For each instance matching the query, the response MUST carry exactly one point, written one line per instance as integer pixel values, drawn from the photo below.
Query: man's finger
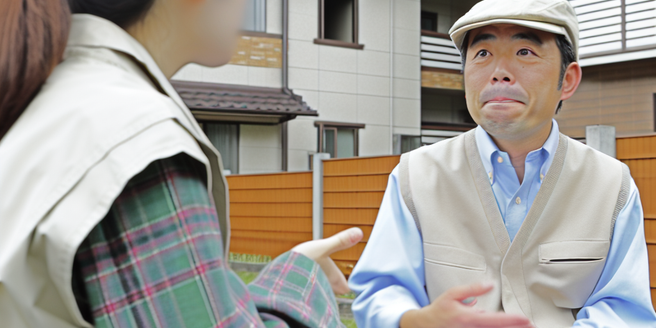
(461, 293)
(497, 320)
(343, 240)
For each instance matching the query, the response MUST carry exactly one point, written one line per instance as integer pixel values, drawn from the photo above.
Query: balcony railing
(615, 26)
(438, 51)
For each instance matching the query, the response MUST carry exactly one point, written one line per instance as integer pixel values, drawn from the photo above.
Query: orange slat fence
(270, 213)
(353, 189)
(639, 153)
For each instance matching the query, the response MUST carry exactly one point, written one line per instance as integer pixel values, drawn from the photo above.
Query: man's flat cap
(554, 16)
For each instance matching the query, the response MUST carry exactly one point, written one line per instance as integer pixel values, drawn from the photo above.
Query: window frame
(203, 126)
(337, 43)
(322, 126)
(426, 14)
(263, 13)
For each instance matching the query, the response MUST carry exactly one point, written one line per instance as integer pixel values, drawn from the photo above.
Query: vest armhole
(622, 198)
(404, 183)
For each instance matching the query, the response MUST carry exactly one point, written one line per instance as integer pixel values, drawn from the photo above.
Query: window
(338, 23)
(404, 143)
(444, 106)
(225, 138)
(340, 140)
(429, 21)
(255, 16)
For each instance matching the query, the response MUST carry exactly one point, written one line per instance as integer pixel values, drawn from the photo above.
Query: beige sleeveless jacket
(553, 264)
(104, 114)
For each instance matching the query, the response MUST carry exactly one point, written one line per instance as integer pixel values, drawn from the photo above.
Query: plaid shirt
(156, 260)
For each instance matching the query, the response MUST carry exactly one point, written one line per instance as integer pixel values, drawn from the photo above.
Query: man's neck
(519, 148)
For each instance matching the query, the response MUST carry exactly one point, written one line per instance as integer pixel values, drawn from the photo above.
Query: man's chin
(501, 116)
(498, 125)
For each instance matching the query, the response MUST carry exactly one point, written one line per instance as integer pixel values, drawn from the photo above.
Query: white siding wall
(259, 149)
(356, 86)
(379, 86)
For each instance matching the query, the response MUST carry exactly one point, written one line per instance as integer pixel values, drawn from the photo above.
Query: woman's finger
(335, 275)
(343, 240)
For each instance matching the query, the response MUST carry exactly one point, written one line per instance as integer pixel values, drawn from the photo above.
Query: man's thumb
(464, 292)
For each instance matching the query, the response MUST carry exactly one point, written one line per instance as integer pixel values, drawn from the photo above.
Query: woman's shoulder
(89, 75)
(91, 92)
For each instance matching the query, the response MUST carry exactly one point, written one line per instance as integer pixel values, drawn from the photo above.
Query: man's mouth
(503, 100)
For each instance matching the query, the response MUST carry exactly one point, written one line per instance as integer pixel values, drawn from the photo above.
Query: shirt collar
(487, 147)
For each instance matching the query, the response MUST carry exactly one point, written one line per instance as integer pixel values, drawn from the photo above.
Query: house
(380, 77)
(352, 67)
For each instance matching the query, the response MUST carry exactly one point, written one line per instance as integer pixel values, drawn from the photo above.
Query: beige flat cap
(555, 16)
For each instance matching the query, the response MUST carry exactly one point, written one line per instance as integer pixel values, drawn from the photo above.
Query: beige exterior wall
(618, 94)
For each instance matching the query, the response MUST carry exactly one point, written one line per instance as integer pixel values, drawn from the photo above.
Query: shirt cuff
(294, 287)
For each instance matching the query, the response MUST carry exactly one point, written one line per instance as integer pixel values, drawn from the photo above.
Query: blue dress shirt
(389, 278)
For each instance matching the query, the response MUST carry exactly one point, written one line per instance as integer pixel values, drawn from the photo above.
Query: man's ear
(571, 80)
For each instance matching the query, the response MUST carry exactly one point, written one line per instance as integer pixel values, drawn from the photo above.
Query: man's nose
(502, 75)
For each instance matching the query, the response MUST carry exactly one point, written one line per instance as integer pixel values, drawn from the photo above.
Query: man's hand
(320, 251)
(449, 311)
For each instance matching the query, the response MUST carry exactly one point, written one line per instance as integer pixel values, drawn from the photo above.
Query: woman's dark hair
(33, 36)
(121, 12)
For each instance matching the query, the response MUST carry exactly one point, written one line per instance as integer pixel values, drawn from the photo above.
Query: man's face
(511, 80)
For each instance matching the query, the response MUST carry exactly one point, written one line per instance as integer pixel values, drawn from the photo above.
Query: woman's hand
(320, 251)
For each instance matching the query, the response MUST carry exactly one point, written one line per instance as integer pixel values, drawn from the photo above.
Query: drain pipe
(391, 74)
(284, 129)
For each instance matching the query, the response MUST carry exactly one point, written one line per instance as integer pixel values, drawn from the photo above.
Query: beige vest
(104, 114)
(553, 264)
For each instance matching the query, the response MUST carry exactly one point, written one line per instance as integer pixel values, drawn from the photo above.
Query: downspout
(391, 84)
(284, 129)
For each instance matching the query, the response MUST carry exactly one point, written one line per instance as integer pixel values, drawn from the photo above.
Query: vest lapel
(512, 263)
(482, 182)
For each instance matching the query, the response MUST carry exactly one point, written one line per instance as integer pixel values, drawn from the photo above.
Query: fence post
(601, 138)
(317, 194)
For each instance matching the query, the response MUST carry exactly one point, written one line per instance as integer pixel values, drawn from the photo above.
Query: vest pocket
(448, 267)
(573, 252)
(569, 270)
(455, 257)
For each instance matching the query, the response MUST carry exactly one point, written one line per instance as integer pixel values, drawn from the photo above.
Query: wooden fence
(639, 153)
(352, 192)
(270, 213)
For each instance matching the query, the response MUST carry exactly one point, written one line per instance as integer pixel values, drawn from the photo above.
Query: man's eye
(482, 53)
(524, 52)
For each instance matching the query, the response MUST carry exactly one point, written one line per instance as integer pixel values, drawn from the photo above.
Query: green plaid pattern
(156, 260)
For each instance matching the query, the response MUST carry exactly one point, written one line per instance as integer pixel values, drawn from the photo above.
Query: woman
(113, 208)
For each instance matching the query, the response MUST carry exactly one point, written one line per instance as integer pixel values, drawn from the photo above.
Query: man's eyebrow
(532, 37)
(482, 37)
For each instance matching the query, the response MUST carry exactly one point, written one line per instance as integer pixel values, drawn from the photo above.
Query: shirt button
(518, 200)
(500, 159)
(541, 176)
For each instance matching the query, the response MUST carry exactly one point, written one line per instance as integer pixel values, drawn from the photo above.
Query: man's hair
(567, 56)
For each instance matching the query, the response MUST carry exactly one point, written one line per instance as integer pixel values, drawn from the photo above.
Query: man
(511, 224)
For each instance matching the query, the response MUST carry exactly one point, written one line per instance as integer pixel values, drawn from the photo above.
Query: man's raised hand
(454, 309)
